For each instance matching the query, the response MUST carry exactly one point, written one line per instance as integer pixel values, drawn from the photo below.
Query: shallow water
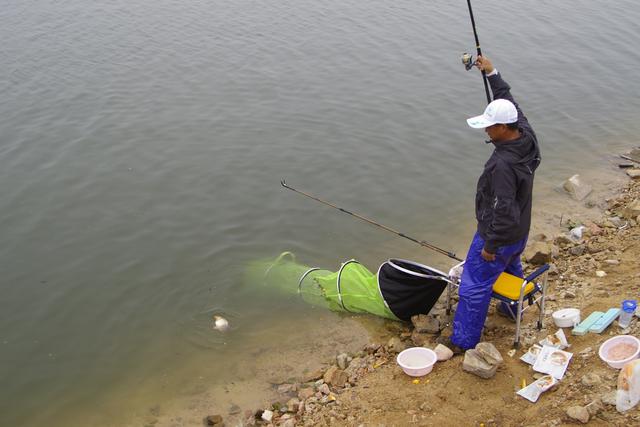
(142, 145)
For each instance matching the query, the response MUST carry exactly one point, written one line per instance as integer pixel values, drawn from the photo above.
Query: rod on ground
(384, 227)
(475, 34)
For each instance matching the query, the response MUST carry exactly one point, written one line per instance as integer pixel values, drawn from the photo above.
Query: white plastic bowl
(566, 318)
(611, 342)
(417, 361)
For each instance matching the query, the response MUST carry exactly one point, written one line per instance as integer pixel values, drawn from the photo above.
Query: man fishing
(503, 208)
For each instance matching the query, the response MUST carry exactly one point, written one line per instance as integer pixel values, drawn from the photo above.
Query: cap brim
(479, 122)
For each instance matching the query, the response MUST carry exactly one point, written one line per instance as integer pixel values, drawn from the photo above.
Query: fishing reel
(468, 61)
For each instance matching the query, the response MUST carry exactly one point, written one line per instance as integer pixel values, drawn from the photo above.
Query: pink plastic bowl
(417, 361)
(611, 342)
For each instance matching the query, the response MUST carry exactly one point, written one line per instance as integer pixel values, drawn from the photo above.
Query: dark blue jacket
(504, 193)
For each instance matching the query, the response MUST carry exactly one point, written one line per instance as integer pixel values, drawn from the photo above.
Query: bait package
(533, 391)
(552, 361)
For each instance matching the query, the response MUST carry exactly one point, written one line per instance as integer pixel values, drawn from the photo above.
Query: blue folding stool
(513, 291)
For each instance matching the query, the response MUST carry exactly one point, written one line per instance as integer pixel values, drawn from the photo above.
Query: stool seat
(508, 286)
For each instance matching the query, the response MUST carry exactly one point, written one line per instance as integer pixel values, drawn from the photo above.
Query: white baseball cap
(499, 111)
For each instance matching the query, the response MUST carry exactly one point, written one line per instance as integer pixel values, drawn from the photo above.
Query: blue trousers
(476, 285)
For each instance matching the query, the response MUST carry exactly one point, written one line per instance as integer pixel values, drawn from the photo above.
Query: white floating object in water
(220, 323)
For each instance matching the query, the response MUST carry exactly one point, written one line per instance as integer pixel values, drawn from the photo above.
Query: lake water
(141, 148)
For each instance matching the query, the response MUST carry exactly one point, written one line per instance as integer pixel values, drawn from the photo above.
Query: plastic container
(566, 317)
(626, 314)
(606, 349)
(417, 361)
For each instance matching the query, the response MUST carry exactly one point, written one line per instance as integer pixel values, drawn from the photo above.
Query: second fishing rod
(377, 224)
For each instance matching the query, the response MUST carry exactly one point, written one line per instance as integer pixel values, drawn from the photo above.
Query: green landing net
(408, 288)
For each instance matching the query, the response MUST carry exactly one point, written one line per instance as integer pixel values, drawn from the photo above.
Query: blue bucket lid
(629, 305)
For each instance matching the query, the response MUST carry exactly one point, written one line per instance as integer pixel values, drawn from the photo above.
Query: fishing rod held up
(384, 227)
(467, 59)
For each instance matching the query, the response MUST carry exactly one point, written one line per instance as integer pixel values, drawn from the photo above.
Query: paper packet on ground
(552, 361)
(533, 391)
(531, 355)
(557, 340)
(628, 394)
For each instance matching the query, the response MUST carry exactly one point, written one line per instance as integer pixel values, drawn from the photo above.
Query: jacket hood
(522, 153)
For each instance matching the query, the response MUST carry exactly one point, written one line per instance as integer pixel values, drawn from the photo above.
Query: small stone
(562, 240)
(569, 295)
(591, 379)
(577, 250)
(538, 253)
(342, 360)
(267, 415)
(601, 273)
(214, 420)
(293, 405)
(288, 423)
(609, 398)
(396, 345)
(612, 261)
(586, 350)
(425, 407)
(578, 413)
(286, 388)
(633, 173)
(305, 393)
(421, 339)
(632, 210)
(335, 376)
(477, 365)
(324, 389)
(594, 408)
(443, 352)
(425, 324)
(490, 353)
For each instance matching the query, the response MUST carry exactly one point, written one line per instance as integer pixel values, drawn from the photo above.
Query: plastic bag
(628, 394)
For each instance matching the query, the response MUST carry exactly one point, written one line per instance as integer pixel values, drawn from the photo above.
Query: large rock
(335, 377)
(632, 210)
(477, 365)
(443, 352)
(490, 353)
(577, 188)
(579, 413)
(425, 324)
(538, 253)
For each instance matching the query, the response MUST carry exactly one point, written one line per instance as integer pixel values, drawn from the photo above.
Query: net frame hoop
(305, 275)
(338, 286)
(443, 276)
